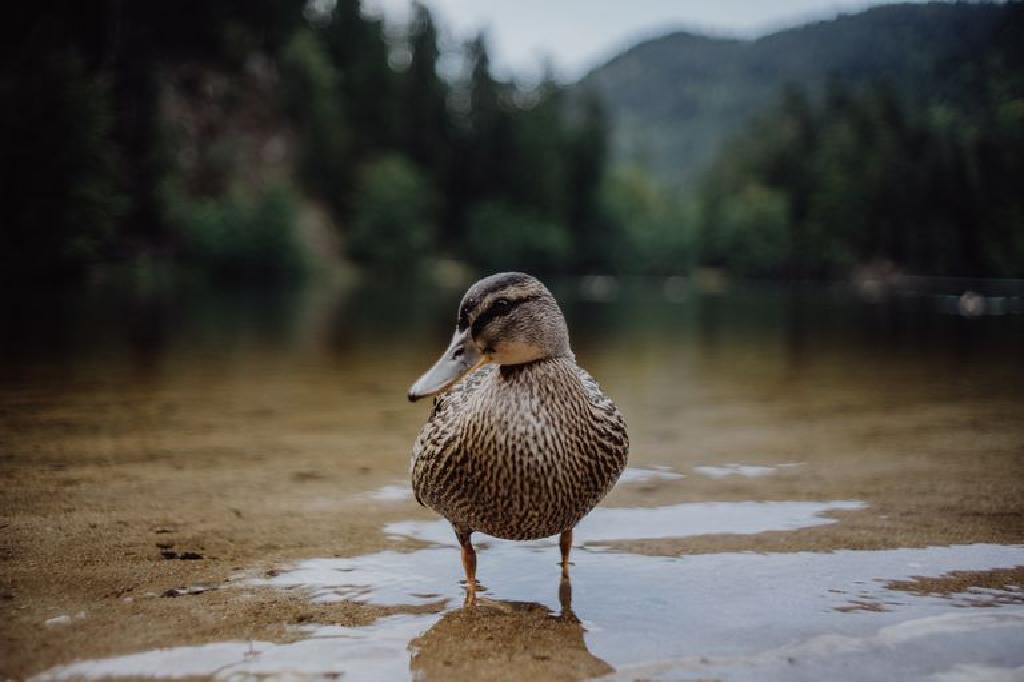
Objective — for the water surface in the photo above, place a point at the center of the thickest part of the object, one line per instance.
(796, 452)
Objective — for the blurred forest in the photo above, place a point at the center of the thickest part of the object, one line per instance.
(269, 139)
(927, 176)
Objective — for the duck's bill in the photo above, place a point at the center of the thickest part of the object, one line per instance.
(460, 358)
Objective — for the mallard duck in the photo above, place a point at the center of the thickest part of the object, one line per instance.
(521, 443)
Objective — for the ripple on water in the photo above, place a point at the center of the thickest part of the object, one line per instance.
(376, 652)
(608, 524)
(649, 474)
(745, 470)
(735, 615)
(395, 492)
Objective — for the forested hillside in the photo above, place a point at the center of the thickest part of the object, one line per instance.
(892, 139)
(925, 177)
(269, 140)
(249, 139)
(675, 100)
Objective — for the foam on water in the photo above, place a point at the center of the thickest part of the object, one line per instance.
(608, 524)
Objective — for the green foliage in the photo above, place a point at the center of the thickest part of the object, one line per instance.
(529, 166)
(387, 143)
(84, 154)
(587, 155)
(242, 237)
(485, 144)
(537, 167)
(391, 226)
(502, 237)
(750, 234)
(312, 99)
(654, 230)
(678, 98)
(58, 173)
(872, 175)
(358, 50)
(426, 122)
(921, 171)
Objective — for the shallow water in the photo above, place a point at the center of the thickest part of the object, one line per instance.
(797, 615)
(952, 646)
(793, 452)
(750, 471)
(607, 524)
(648, 474)
(742, 615)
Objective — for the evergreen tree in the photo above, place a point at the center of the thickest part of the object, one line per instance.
(587, 156)
(488, 125)
(359, 51)
(538, 170)
(59, 184)
(314, 104)
(426, 125)
(426, 134)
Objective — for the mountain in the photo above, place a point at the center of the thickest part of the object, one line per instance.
(675, 99)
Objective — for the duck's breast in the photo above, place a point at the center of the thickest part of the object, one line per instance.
(525, 453)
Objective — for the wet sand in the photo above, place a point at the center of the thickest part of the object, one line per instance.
(140, 511)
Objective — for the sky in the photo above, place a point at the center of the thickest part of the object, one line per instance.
(576, 35)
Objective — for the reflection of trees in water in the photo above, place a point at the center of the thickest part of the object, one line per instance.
(794, 327)
(499, 639)
(152, 330)
(708, 324)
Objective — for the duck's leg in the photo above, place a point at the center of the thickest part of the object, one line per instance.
(565, 601)
(468, 564)
(565, 544)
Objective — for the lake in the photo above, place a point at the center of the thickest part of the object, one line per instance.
(824, 482)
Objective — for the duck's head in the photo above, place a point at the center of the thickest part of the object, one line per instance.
(509, 319)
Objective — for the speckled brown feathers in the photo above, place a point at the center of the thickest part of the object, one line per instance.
(520, 451)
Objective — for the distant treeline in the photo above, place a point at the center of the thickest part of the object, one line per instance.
(151, 129)
(930, 179)
(238, 138)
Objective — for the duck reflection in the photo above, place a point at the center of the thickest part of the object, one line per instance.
(488, 640)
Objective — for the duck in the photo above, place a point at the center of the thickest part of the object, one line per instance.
(521, 443)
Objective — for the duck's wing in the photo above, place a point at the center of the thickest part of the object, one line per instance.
(597, 397)
(441, 432)
(611, 427)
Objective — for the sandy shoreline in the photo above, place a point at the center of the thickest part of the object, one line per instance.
(100, 484)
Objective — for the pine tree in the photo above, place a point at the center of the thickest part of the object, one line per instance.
(426, 125)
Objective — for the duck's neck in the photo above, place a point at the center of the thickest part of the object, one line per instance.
(530, 396)
(540, 366)
(547, 380)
